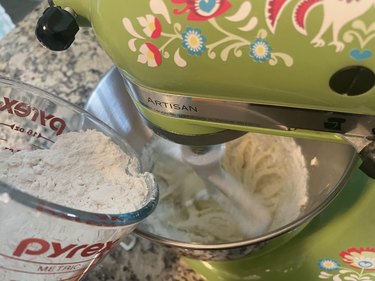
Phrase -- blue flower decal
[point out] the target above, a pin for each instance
(366, 264)
(193, 41)
(328, 264)
(260, 50)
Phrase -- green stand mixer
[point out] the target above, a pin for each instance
(205, 72)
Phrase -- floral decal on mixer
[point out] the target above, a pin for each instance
(155, 37)
(151, 26)
(358, 265)
(193, 41)
(220, 30)
(364, 35)
(150, 55)
(200, 10)
(337, 14)
(260, 50)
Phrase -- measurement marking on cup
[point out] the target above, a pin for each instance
(41, 273)
(45, 268)
(41, 136)
(29, 132)
(48, 263)
(8, 125)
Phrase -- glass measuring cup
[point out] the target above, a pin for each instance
(40, 240)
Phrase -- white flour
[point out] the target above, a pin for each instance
(271, 168)
(83, 170)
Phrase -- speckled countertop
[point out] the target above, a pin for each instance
(73, 75)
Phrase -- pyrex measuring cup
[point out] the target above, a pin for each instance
(40, 240)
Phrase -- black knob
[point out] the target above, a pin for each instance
(56, 29)
(352, 80)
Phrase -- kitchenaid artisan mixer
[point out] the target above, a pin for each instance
(204, 72)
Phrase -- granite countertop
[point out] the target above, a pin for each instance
(73, 75)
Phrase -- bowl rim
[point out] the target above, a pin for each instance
(69, 213)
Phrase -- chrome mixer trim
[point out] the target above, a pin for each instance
(253, 115)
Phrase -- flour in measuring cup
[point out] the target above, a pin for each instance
(84, 170)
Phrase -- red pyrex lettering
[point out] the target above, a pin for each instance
(38, 247)
(22, 109)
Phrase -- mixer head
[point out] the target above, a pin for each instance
(202, 72)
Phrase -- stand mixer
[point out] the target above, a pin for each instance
(205, 72)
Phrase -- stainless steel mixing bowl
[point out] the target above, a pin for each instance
(110, 103)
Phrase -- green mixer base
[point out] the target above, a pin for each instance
(337, 245)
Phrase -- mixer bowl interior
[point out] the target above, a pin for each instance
(328, 164)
